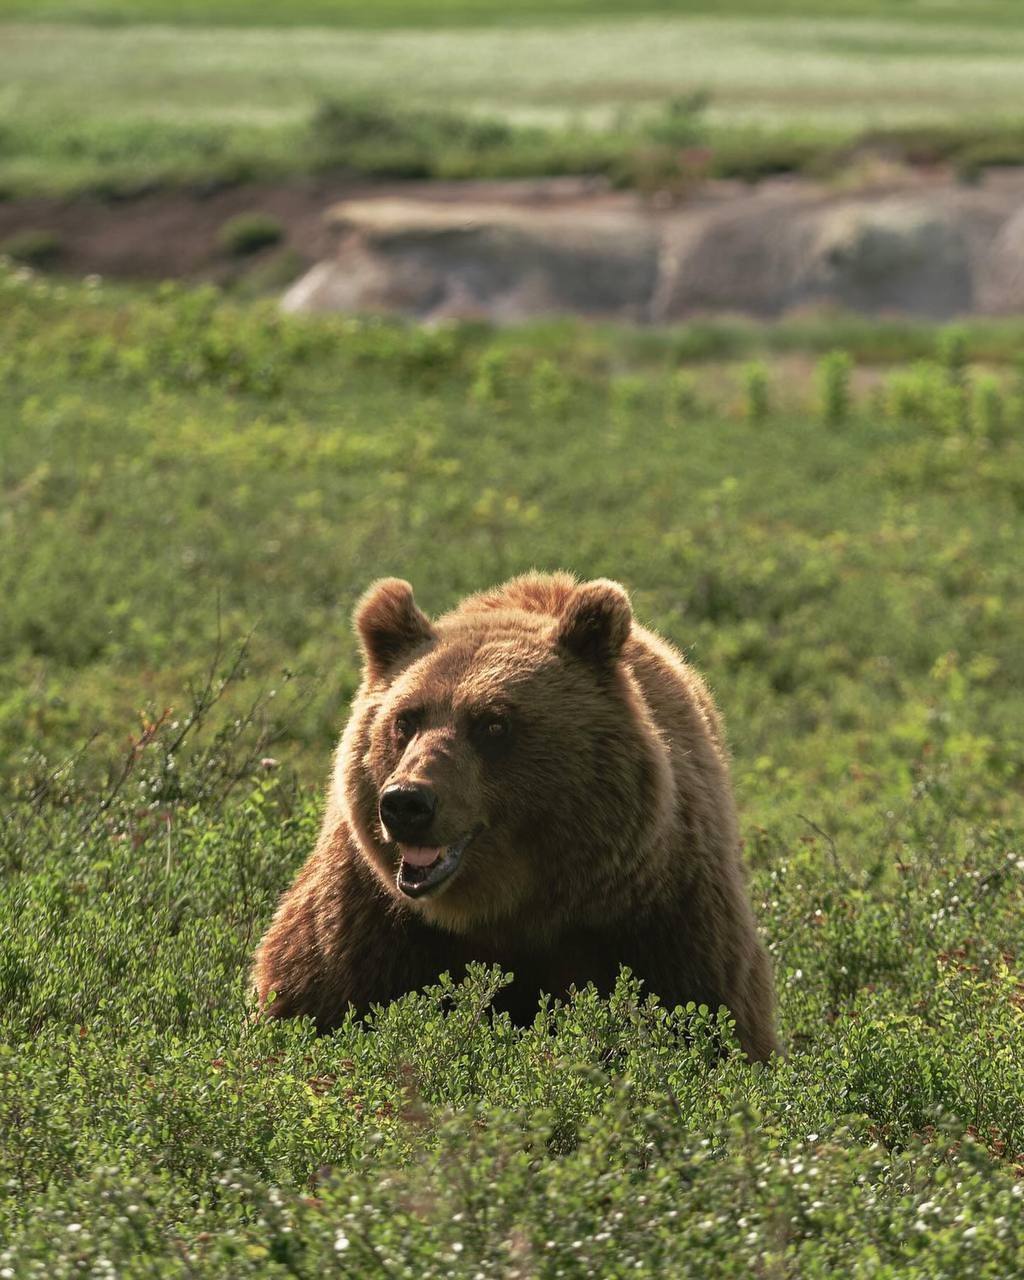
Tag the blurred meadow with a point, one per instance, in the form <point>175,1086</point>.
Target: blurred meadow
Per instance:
<point>824,514</point>
<point>114,96</point>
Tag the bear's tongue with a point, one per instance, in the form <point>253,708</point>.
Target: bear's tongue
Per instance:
<point>421,856</point>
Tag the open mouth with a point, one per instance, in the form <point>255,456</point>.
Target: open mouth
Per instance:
<point>424,869</point>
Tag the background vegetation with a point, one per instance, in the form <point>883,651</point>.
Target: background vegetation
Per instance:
<point>193,494</point>
<point>113,97</point>
<point>424,14</point>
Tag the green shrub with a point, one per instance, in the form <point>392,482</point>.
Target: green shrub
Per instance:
<point>973,159</point>
<point>681,399</point>
<point>493,382</point>
<point>33,248</point>
<point>953,356</point>
<point>550,390</point>
<point>342,125</point>
<point>680,121</point>
<point>929,394</point>
<point>834,387</point>
<point>249,233</point>
<point>628,398</point>
<point>988,408</point>
<point>373,136</point>
<point>270,274</point>
<point>757,391</point>
<point>752,154</point>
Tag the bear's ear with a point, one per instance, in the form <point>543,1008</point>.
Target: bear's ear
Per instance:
<point>389,625</point>
<point>596,622</point>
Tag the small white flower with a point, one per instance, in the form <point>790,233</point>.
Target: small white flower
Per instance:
<point>74,1226</point>
<point>341,1242</point>
<point>812,1137</point>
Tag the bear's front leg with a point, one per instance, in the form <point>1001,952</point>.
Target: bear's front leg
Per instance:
<point>337,940</point>
<point>707,951</point>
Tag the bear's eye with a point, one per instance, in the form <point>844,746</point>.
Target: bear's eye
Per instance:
<point>492,729</point>
<point>407,724</point>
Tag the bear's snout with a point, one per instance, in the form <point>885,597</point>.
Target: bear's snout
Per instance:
<point>407,810</point>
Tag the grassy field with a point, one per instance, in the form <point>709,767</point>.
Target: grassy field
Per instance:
<point>100,105</point>
<point>424,14</point>
<point>192,494</point>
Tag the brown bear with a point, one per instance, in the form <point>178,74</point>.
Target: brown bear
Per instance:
<point>534,780</point>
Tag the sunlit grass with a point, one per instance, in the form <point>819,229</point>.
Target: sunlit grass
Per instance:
<point>897,70</point>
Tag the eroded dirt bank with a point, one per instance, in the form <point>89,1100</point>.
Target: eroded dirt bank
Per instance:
<point>915,242</point>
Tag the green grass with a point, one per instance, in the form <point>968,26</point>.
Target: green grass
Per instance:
<point>359,14</point>
<point>756,68</point>
<point>182,479</point>
<point>107,106</point>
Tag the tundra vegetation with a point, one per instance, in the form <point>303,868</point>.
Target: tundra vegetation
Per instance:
<point>825,516</point>
<point>116,97</point>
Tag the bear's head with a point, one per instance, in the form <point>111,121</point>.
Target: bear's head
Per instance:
<point>500,767</point>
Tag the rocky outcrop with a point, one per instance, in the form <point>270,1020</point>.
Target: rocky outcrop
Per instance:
<point>501,261</point>
<point>929,248</point>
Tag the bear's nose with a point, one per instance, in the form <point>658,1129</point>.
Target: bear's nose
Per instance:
<point>407,811</point>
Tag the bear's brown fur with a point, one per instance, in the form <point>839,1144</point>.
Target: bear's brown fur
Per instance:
<point>571,768</point>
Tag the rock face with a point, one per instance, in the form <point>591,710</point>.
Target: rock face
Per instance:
<point>499,261</point>
<point>893,255</point>
<point>928,248</point>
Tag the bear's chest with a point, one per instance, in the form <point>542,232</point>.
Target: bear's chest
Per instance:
<point>554,971</point>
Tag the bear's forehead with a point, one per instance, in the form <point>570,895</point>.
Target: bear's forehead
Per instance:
<point>468,668</point>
